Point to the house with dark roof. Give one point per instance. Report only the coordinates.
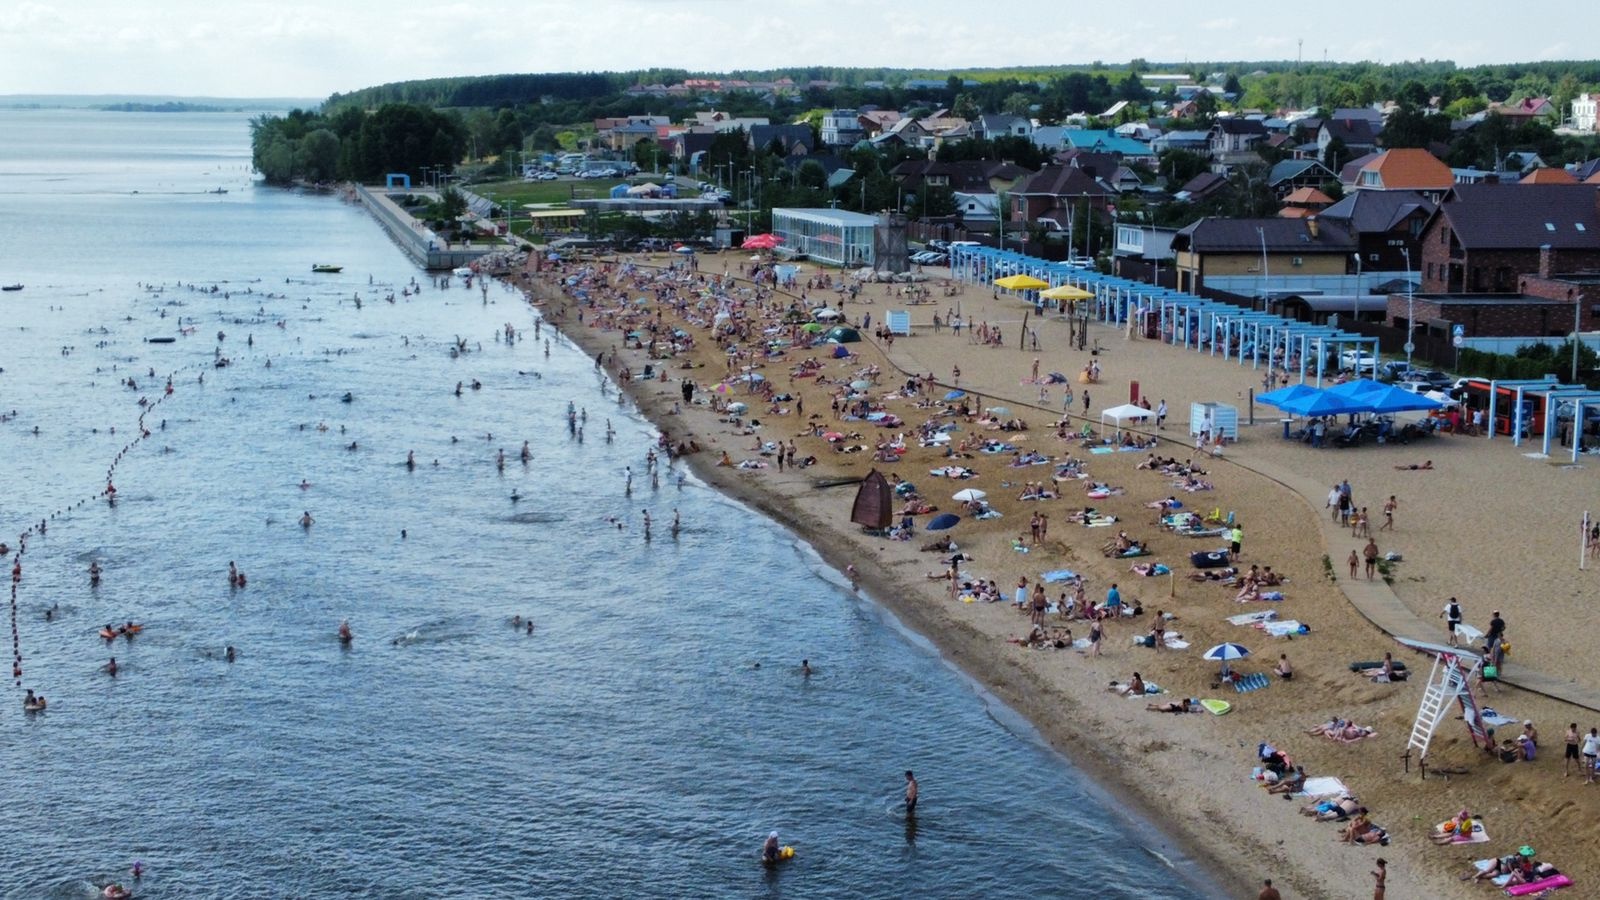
(796, 140)
(999, 125)
(1203, 186)
(687, 145)
(1289, 175)
(969, 176)
(1483, 237)
(1107, 167)
(1052, 192)
(1264, 247)
(906, 132)
(1234, 140)
(1387, 226)
(1358, 135)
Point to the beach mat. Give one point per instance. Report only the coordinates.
(1058, 575)
(1265, 615)
(1254, 682)
(1491, 717)
(1323, 786)
(1099, 450)
(1476, 836)
(1364, 666)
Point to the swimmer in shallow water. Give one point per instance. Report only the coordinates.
(305, 519)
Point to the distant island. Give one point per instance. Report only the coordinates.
(170, 107)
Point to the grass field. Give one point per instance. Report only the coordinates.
(514, 194)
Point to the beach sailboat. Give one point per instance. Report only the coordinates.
(11, 287)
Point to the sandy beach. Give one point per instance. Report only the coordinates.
(1488, 525)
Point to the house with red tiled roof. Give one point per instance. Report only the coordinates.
(1405, 169)
(1548, 175)
(1303, 203)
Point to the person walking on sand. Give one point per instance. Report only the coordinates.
(1370, 553)
(1161, 415)
(1236, 541)
(1355, 563)
(1268, 892)
(1389, 507)
(1086, 401)
(1451, 614)
(1380, 875)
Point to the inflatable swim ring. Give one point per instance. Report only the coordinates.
(116, 892)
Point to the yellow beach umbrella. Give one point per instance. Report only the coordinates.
(1021, 283)
(1066, 292)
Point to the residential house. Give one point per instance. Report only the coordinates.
(970, 176)
(1218, 247)
(1115, 110)
(796, 140)
(1587, 171)
(1526, 110)
(1387, 226)
(624, 137)
(1483, 237)
(874, 121)
(907, 132)
(1204, 186)
(977, 211)
(688, 146)
(1054, 191)
(1290, 175)
(1050, 138)
(1144, 253)
(1107, 167)
(1586, 112)
(842, 128)
(1358, 135)
(1234, 140)
(1128, 149)
(1548, 175)
(1352, 169)
(1405, 169)
(1194, 141)
(999, 125)
(1304, 203)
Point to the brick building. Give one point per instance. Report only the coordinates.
(1484, 237)
(1483, 315)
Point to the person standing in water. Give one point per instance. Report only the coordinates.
(344, 632)
(770, 849)
(305, 519)
(911, 794)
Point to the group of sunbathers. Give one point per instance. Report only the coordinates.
(1123, 546)
(1342, 730)
(1170, 466)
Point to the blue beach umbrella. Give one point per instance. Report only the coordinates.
(1287, 394)
(955, 395)
(1226, 651)
(943, 521)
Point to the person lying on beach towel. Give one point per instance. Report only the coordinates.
(1362, 831)
(1224, 575)
(1182, 706)
(1332, 726)
(1520, 866)
(1447, 832)
(1425, 467)
(1290, 783)
(1149, 570)
(1334, 810)
(1350, 733)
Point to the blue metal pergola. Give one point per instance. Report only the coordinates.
(1185, 320)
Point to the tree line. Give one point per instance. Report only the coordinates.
(350, 144)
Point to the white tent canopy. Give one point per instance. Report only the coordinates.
(1116, 415)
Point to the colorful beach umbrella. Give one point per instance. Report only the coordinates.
(1066, 292)
(1020, 283)
(1226, 651)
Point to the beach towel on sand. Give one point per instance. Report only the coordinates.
(1266, 615)
(1323, 786)
(1058, 575)
(1475, 835)
(1490, 717)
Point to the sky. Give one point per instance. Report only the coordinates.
(246, 48)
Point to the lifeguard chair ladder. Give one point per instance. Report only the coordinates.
(1450, 680)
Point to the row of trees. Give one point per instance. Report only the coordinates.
(350, 144)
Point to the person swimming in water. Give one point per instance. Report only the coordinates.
(229, 653)
(345, 636)
(770, 849)
(805, 668)
(94, 572)
(110, 668)
(305, 519)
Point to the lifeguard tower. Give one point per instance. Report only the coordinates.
(1449, 682)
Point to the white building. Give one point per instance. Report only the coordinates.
(1584, 113)
(835, 236)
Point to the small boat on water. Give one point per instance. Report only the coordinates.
(11, 287)
(160, 340)
(218, 191)
(327, 269)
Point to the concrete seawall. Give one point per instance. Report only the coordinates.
(416, 239)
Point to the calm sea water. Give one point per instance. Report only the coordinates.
(640, 743)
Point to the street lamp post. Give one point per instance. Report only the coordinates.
(1411, 314)
(1355, 303)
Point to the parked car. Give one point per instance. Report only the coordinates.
(1396, 370)
(1357, 359)
(1436, 380)
(1415, 387)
